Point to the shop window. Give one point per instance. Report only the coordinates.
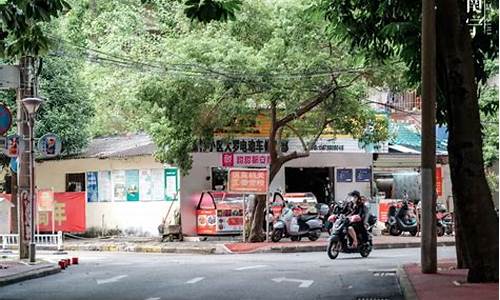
(219, 178)
(75, 182)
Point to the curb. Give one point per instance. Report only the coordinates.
(405, 285)
(42, 272)
(222, 249)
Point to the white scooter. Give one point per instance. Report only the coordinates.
(296, 227)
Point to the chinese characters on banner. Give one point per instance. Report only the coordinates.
(439, 181)
(239, 146)
(248, 181)
(69, 213)
(477, 13)
(245, 160)
(45, 199)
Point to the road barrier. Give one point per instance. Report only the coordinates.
(9, 241)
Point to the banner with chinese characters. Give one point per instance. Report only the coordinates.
(253, 181)
(256, 145)
(245, 160)
(69, 213)
(45, 199)
(439, 181)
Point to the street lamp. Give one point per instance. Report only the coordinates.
(31, 106)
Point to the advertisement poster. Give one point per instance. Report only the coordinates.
(158, 183)
(171, 184)
(145, 185)
(118, 183)
(245, 160)
(132, 183)
(92, 189)
(248, 181)
(104, 191)
(363, 175)
(13, 145)
(344, 175)
(49, 145)
(206, 222)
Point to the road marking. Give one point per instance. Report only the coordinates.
(251, 267)
(195, 280)
(303, 283)
(156, 298)
(112, 279)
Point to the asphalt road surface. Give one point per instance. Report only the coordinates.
(246, 276)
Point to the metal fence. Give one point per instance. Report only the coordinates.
(9, 241)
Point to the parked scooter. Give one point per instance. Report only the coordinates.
(444, 221)
(295, 225)
(340, 239)
(402, 219)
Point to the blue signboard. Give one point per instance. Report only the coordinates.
(92, 188)
(363, 175)
(344, 175)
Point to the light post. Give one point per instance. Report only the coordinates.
(31, 106)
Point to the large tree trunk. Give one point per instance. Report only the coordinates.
(477, 220)
(256, 233)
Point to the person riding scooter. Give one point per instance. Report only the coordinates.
(358, 218)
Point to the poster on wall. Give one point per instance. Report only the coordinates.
(104, 191)
(158, 184)
(344, 175)
(145, 185)
(92, 189)
(439, 181)
(132, 184)
(363, 175)
(171, 184)
(119, 188)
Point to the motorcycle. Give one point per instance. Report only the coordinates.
(293, 224)
(339, 240)
(401, 219)
(444, 221)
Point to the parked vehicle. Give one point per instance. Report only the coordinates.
(340, 240)
(306, 201)
(444, 221)
(292, 223)
(402, 218)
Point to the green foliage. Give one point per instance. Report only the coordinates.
(488, 102)
(391, 28)
(273, 53)
(66, 110)
(21, 27)
(207, 11)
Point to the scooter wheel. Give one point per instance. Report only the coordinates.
(296, 238)
(276, 235)
(414, 232)
(333, 249)
(364, 251)
(393, 230)
(314, 236)
(440, 231)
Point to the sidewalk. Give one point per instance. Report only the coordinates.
(448, 283)
(228, 246)
(12, 271)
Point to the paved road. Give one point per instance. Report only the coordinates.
(249, 276)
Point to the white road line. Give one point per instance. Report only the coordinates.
(112, 279)
(156, 298)
(250, 267)
(303, 283)
(195, 280)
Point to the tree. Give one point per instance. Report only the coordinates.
(273, 60)
(392, 28)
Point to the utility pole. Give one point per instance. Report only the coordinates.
(428, 156)
(27, 89)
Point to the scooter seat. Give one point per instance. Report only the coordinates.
(306, 218)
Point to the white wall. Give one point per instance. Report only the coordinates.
(142, 216)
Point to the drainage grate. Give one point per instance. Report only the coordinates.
(372, 298)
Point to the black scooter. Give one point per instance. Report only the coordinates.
(401, 219)
(339, 240)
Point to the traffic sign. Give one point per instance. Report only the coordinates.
(5, 119)
(49, 145)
